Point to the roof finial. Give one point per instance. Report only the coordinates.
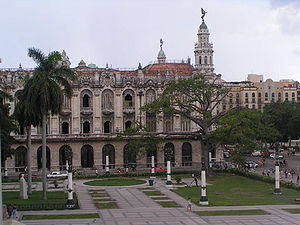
(161, 43)
(203, 14)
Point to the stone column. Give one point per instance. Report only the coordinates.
(107, 164)
(169, 182)
(203, 199)
(277, 190)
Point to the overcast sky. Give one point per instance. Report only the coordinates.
(249, 36)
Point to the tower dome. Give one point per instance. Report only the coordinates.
(203, 26)
(161, 58)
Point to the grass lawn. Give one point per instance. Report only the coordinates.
(115, 182)
(152, 193)
(292, 210)
(99, 195)
(170, 204)
(59, 216)
(228, 189)
(108, 205)
(232, 212)
(55, 200)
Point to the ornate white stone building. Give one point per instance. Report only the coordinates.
(107, 100)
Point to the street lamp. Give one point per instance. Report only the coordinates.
(69, 157)
(277, 190)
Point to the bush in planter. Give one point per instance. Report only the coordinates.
(178, 179)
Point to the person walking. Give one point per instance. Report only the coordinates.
(9, 210)
(14, 212)
(189, 205)
(298, 180)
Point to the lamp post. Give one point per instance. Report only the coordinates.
(203, 198)
(69, 156)
(152, 167)
(277, 190)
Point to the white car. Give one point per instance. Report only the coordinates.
(56, 174)
(272, 156)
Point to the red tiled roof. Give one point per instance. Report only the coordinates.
(180, 69)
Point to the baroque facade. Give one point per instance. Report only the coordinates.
(106, 101)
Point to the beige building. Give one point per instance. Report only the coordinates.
(107, 100)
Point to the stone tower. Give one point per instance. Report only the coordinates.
(204, 50)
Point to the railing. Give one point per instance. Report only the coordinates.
(171, 61)
(15, 69)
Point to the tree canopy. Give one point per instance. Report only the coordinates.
(286, 118)
(195, 98)
(244, 130)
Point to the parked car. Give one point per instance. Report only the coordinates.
(251, 164)
(272, 156)
(57, 174)
(256, 153)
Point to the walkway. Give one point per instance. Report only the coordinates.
(136, 208)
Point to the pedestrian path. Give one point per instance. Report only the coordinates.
(136, 208)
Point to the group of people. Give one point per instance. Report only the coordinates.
(12, 211)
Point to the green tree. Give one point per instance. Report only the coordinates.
(139, 141)
(244, 130)
(6, 127)
(45, 93)
(286, 118)
(26, 117)
(195, 98)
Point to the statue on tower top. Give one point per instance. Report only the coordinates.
(161, 42)
(203, 14)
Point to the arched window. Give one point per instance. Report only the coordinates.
(150, 96)
(87, 156)
(129, 157)
(65, 128)
(66, 102)
(107, 127)
(168, 123)
(108, 150)
(205, 60)
(86, 98)
(210, 60)
(107, 99)
(293, 95)
(169, 153)
(20, 158)
(186, 154)
(128, 101)
(86, 127)
(86, 101)
(266, 96)
(62, 156)
(200, 59)
(39, 158)
(259, 95)
(128, 125)
(253, 95)
(237, 98)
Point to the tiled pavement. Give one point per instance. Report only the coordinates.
(138, 209)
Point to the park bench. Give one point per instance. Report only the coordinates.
(297, 200)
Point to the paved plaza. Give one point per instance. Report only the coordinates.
(136, 208)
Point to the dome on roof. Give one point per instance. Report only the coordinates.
(161, 54)
(203, 26)
(92, 65)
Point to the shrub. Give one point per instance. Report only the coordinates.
(178, 179)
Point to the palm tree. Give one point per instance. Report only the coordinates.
(45, 94)
(26, 117)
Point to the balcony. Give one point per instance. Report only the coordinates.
(128, 109)
(86, 111)
(65, 111)
(107, 111)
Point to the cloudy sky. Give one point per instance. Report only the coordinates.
(257, 36)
